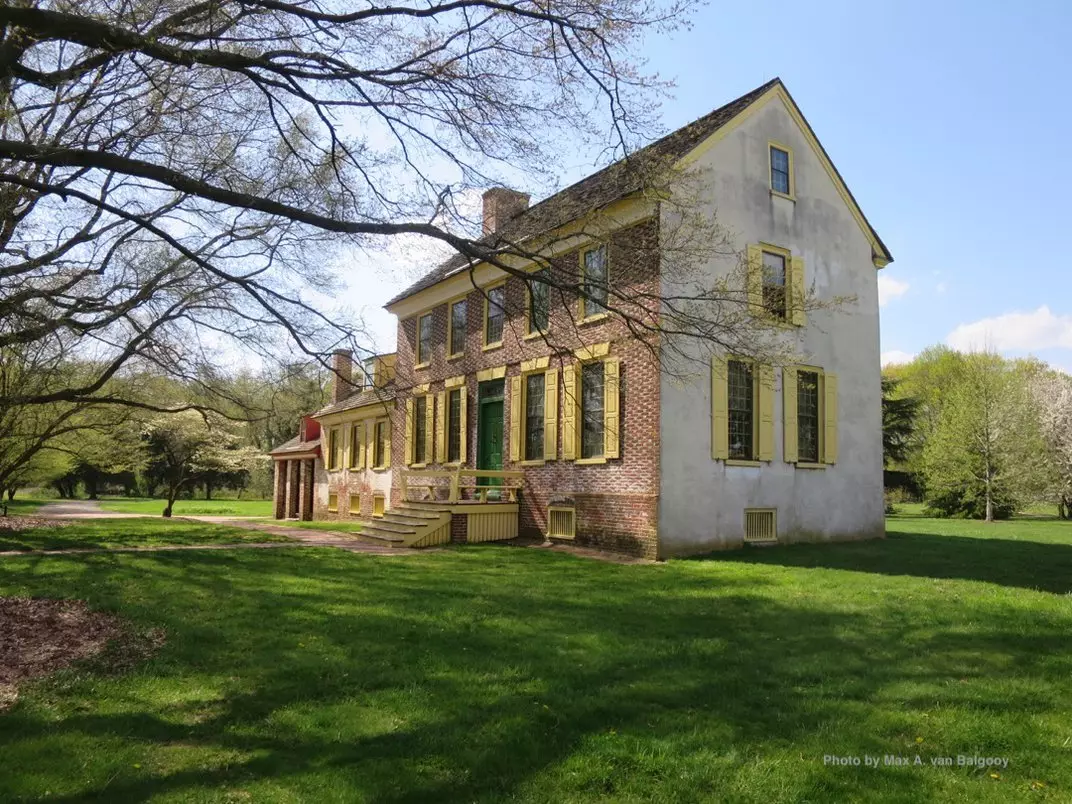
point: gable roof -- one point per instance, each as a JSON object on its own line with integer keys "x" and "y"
{"x": 360, "y": 399}
{"x": 621, "y": 178}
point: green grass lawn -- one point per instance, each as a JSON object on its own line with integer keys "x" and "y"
{"x": 127, "y": 505}
{"x": 128, "y": 533}
{"x": 23, "y": 507}
{"x": 490, "y": 674}
{"x": 339, "y": 526}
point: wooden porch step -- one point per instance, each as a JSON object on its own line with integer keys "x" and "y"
{"x": 383, "y": 535}
{"x": 403, "y": 528}
{"x": 434, "y": 507}
{"x": 416, "y": 511}
{"x": 412, "y": 519}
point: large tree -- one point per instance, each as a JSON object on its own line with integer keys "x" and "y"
{"x": 983, "y": 457}
{"x": 1053, "y": 401}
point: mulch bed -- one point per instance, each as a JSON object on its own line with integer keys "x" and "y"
{"x": 30, "y": 522}
{"x": 39, "y": 636}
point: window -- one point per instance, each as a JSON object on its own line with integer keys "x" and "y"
{"x": 808, "y": 416}
{"x": 774, "y": 284}
{"x": 379, "y": 456}
{"x": 594, "y": 281}
{"x": 539, "y": 302}
{"x": 454, "y": 425}
{"x": 742, "y": 410}
{"x": 369, "y": 380}
{"x": 333, "y": 502}
{"x": 355, "y": 444}
{"x": 493, "y": 316}
{"x": 781, "y": 174}
{"x": 420, "y": 429}
{"x": 334, "y": 449}
{"x": 459, "y": 321}
{"x": 424, "y": 339}
{"x": 534, "y": 399}
{"x": 592, "y": 410}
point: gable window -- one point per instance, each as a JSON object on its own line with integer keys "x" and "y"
{"x": 454, "y": 425}
{"x": 379, "y": 449}
{"x": 369, "y": 380}
{"x": 458, "y": 325}
{"x": 592, "y": 410}
{"x": 420, "y": 429}
{"x": 424, "y": 339}
{"x": 493, "y": 315}
{"x": 781, "y": 170}
{"x": 594, "y": 281}
{"x": 742, "y": 410}
{"x": 534, "y": 417}
{"x": 808, "y": 416}
{"x": 539, "y": 302}
{"x": 334, "y": 449}
{"x": 774, "y": 276}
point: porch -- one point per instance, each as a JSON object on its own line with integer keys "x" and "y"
{"x": 442, "y": 506}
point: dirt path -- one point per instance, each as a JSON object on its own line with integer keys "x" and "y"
{"x": 77, "y": 509}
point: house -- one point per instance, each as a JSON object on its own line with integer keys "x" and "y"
{"x": 518, "y": 406}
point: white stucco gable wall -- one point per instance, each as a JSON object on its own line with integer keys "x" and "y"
{"x": 702, "y": 500}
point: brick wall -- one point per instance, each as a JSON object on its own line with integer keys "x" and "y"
{"x": 616, "y": 501}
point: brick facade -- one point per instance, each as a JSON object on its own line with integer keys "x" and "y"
{"x": 616, "y": 501}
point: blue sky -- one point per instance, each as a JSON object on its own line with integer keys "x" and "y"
{"x": 950, "y": 122}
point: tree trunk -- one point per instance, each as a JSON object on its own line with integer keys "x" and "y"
{"x": 208, "y": 490}
{"x": 11, "y": 493}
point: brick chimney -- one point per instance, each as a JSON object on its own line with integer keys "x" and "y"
{"x": 342, "y": 366}
{"x": 500, "y": 205}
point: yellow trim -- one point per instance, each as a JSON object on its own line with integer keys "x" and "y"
{"x": 565, "y": 509}
{"x": 533, "y": 336}
{"x": 454, "y": 382}
{"x": 379, "y": 504}
{"x": 802, "y": 465}
{"x": 422, "y": 388}
{"x": 535, "y": 364}
{"x": 487, "y": 303}
{"x": 450, "y": 327}
{"x": 592, "y": 319}
{"x": 540, "y": 462}
{"x": 789, "y": 414}
{"x": 419, "y": 366}
{"x": 792, "y": 194}
{"x": 423, "y": 360}
{"x": 774, "y": 522}
{"x": 590, "y": 461}
{"x": 592, "y": 351}
{"x": 739, "y": 462}
{"x": 755, "y": 281}
{"x": 334, "y": 464}
{"x": 879, "y": 255}
{"x": 350, "y": 504}
{"x": 496, "y": 373}
{"x": 582, "y": 316}
{"x": 333, "y": 502}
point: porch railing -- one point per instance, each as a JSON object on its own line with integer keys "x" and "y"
{"x": 460, "y": 485}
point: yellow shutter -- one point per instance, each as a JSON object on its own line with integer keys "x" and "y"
{"x": 611, "y": 402}
{"x": 830, "y": 434}
{"x": 755, "y": 280}
{"x": 409, "y": 431}
{"x": 464, "y": 428}
{"x": 550, "y": 415}
{"x": 429, "y": 432}
{"x": 370, "y": 443}
{"x": 388, "y": 436}
{"x": 766, "y": 413}
{"x": 515, "y": 418}
{"x": 569, "y": 412}
{"x": 359, "y": 444}
{"x": 789, "y": 418}
{"x": 720, "y": 410}
{"x": 441, "y": 428}
{"x": 796, "y": 291}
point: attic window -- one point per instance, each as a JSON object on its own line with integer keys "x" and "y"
{"x": 781, "y": 170}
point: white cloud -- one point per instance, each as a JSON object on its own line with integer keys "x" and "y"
{"x": 895, "y": 356}
{"x": 889, "y": 289}
{"x": 1027, "y": 332}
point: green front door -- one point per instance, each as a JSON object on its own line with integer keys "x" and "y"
{"x": 489, "y": 435}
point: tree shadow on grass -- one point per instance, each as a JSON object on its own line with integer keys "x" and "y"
{"x": 1022, "y": 564}
{"x": 444, "y": 678}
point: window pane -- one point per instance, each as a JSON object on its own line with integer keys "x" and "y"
{"x": 774, "y": 283}
{"x": 595, "y": 281}
{"x": 370, "y": 369}
{"x": 424, "y": 342}
{"x": 534, "y": 417}
{"x": 355, "y": 444}
{"x": 808, "y": 416}
{"x": 540, "y": 296}
{"x": 494, "y": 325}
{"x": 420, "y": 408}
{"x": 454, "y": 431}
{"x": 459, "y": 322}
{"x": 742, "y": 410}
{"x": 779, "y": 170}
{"x": 592, "y": 410}
{"x": 381, "y": 431}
